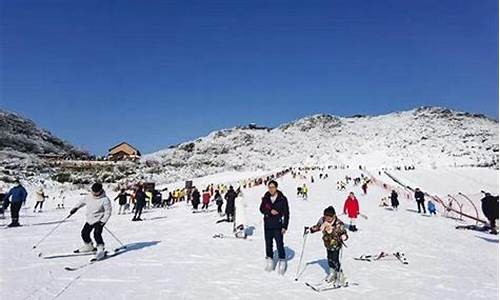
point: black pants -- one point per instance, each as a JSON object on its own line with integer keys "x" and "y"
{"x": 219, "y": 208}
{"x": 205, "y": 206}
{"x": 421, "y": 203}
{"x": 138, "y": 211}
{"x": 87, "y": 228}
{"x": 195, "y": 205}
{"x": 36, "y": 205}
{"x": 15, "y": 207}
{"x": 333, "y": 259}
{"x": 274, "y": 234}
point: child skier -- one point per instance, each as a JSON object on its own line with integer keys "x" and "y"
{"x": 431, "y": 208}
{"x": 351, "y": 209}
{"x": 98, "y": 213}
{"x": 334, "y": 235}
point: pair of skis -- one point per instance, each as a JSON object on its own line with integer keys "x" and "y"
{"x": 108, "y": 254}
{"x": 325, "y": 286}
{"x": 224, "y": 236}
{"x": 369, "y": 258}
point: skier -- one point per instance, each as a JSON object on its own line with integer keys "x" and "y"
{"x": 305, "y": 190}
{"x": 419, "y": 197}
{"x": 394, "y": 200}
{"x": 351, "y": 208}
{"x": 122, "y": 200}
{"x": 98, "y": 213}
{"x": 206, "y": 199}
{"x": 334, "y": 235}
{"x": 230, "y": 196}
{"x": 240, "y": 220}
{"x": 489, "y": 205}
{"x": 16, "y": 197}
{"x": 140, "y": 202}
{"x": 274, "y": 207}
{"x": 195, "y": 198}
{"x": 218, "y": 201}
{"x": 431, "y": 208}
{"x": 40, "y": 198}
{"x": 364, "y": 187}
{"x": 60, "y": 200}
{"x": 149, "y": 197}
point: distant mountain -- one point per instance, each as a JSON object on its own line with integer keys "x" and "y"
{"x": 21, "y": 135}
{"x": 422, "y": 137}
{"x": 425, "y": 136}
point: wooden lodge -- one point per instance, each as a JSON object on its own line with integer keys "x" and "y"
{"x": 123, "y": 151}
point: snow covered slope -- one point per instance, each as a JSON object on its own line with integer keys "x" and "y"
{"x": 426, "y": 136}
{"x": 173, "y": 254}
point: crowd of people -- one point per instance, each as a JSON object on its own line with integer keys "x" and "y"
{"x": 274, "y": 208}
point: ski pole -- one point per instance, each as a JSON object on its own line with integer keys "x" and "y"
{"x": 301, "y": 254}
{"x": 50, "y": 232}
{"x": 114, "y": 236}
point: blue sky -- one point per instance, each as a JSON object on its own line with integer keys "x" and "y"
{"x": 157, "y": 73}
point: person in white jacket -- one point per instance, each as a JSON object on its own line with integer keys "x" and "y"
{"x": 98, "y": 213}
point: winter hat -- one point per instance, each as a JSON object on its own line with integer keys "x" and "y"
{"x": 329, "y": 211}
{"x": 96, "y": 187}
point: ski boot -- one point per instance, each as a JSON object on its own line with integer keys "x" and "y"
{"x": 269, "y": 264}
{"x": 341, "y": 279}
{"x": 87, "y": 247}
{"x": 100, "y": 254}
{"x": 332, "y": 276}
{"x": 282, "y": 266}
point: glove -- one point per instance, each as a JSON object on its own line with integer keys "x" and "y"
{"x": 307, "y": 230}
{"x": 73, "y": 210}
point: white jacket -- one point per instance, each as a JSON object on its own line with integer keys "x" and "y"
{"x": 98, "y": 208}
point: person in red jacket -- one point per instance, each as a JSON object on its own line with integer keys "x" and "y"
{"x": 351, "y": 209}
{"x": 205, "y": 199}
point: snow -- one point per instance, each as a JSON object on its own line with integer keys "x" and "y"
{"x": 173, "y": 254}
{"x": 426, "y": 137}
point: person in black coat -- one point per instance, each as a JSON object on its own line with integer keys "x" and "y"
{"x": 140, "y": 202}
{"x": 230, "y": 196}
{"x": 394, "y": 200}
{"x": 195, "y": 198}
{"x": 419, "y": 197}
{"x": 274, "y": 207}
{"x": 122, "y": 198}
{"x": 489, "y": 205}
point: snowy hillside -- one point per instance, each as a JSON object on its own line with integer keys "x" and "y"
{"x": 426, "y": 136}
{"x": 22, "y": 142}
{"x": 172, "y": 254}
{"x": 22, "y": 135}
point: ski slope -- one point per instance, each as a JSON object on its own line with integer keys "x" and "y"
{"x": 173, "y": 255}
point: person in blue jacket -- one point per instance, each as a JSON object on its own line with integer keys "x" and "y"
{"x": 431, "y": 208}
{"x": 16, "y": 197}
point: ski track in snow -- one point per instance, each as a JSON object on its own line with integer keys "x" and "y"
{"x": 177, "y": 258}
